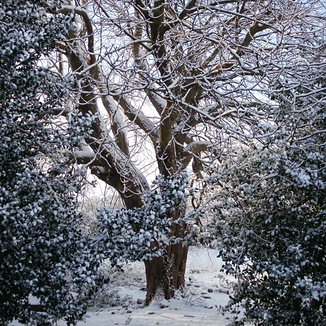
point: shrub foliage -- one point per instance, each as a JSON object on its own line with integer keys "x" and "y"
{"x": 270, "y": 213}
{"x": 47, "y": 266}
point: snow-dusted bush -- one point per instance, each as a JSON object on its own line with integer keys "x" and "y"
{"x": 270, "y": 213}
{"x": 127, "y": 234}
{"x": 47, "y": 267}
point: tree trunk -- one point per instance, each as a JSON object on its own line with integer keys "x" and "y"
{"x": 166, "y": 274}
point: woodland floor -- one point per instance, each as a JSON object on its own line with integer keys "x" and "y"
{"x": 120, "y": 302}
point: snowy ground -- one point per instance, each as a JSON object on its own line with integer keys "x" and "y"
{"x": 200, "y": 303}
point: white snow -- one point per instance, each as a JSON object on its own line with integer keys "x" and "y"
{"x": 199, "y": 304}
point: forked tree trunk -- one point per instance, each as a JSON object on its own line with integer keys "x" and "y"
{"x": 166, "y": 274}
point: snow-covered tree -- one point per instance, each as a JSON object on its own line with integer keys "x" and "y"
{"x": 270, "y": 211}
{"x": 173, "y": 85}
{"x": 143, "y": 233}
{"x": 47, "y": 266}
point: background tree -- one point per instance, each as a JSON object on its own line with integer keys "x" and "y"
{"x": 185, "y": 80}
{"x": 270, "y": 212}
{"x": 46, "y": 264}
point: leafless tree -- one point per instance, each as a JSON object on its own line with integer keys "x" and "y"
{"x": 184, "y": 81}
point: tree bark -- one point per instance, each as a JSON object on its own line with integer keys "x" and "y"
{"x": 166, "y": 273}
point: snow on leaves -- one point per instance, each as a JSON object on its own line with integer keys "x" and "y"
{"x": 129, "y": 234}
{"x": 270, "y": 216}
{"x": 44, "y": 257}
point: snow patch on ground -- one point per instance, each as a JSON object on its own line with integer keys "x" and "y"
{"x": 206, "y": 292}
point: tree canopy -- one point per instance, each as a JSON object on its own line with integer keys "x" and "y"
{"x": 173, "y": 86}
{"x": 140, "y": 89}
